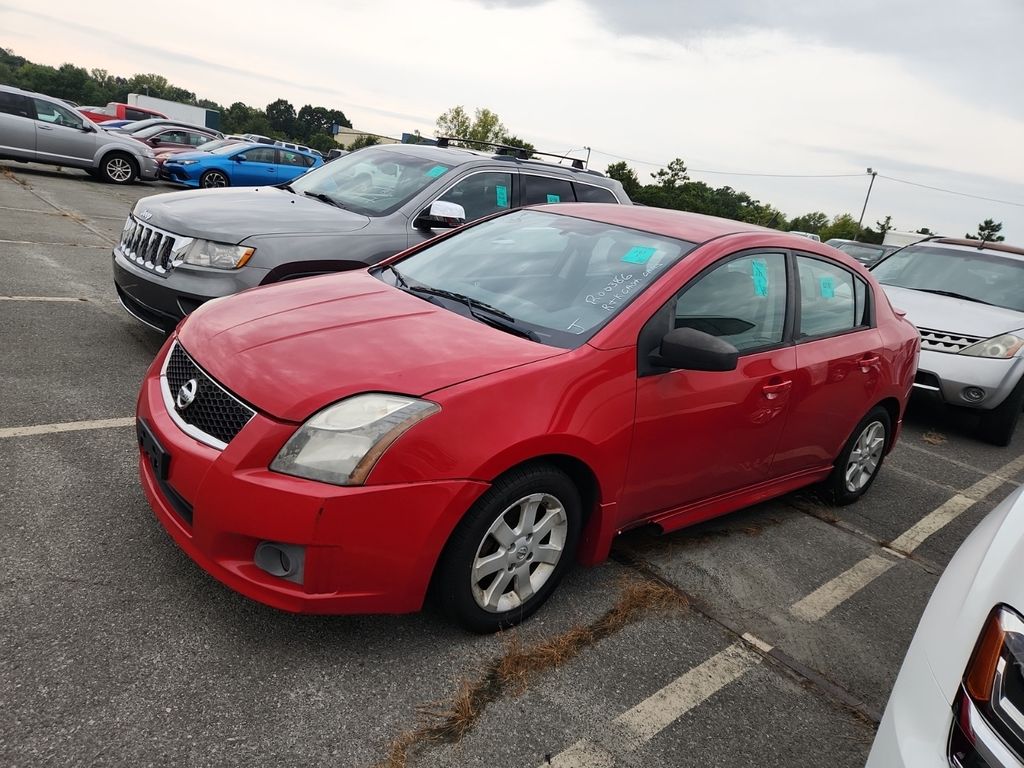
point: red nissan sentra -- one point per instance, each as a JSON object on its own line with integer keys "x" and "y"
{"x": 482, "y": 410}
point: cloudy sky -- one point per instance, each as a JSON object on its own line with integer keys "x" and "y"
{"x": 926, "y": 91}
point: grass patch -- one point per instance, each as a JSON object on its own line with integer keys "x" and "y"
{"x": 520, "y": 664}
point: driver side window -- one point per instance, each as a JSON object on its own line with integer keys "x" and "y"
{"x": 51, "y": 113}
{"x": 742, "y": 301}
{"x": 481, "y": 194}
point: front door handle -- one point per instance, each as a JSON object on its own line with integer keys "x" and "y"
{"x": 772, "y": 391}
{"x": 45, "y": 127}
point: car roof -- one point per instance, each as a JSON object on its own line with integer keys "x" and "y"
{"x": 454, "y": 156}
{"x": 682, "y": 225}
{"x": 967, "y": 245}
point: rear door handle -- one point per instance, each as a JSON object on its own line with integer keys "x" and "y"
{"x": 772, "y": 391}
{"x": 867, "y": 362}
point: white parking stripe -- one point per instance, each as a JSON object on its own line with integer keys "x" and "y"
{"x": 40, "y": 298}
{"x": 67, "y": 426}
{"x": 582, "y": 754}
{"x": 656, "y": 712}
{"x": 938, "y": 518}
{"x": 62, "y": 245}
{"x": 844, "y": 586}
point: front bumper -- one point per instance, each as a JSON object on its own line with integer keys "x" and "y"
{"x": 160, "y": 301}
{"x": 368, "y": 549}
{"x": 946, "y": 375}
{"x": 148, "y": 169}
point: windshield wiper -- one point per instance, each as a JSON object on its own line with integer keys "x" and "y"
{"x": 954, "y": 295}
{"x": 287, "y": 186}
{"x": 481, "y": 311}
{"x": 324, "y": 198}
{"x": 399, "y": 280}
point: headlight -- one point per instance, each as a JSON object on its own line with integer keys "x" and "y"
{"x": 994, "y": 687}
{"x": 185, "y": 162}
{"x": 147, "y": 152}
{"x": 205, "y": 253}
{"x": 1003, "y": 346}
{"x": 341, "y": 444}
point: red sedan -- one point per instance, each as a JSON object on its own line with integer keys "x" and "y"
{"x": 482, "y": 410}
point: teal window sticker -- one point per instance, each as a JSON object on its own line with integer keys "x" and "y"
{"x": 554, "y": 198}
{"x": 639, "y": 254}
{"x": 501, "y": 196}
{"x": 828, "y": 287}
{"x": 759, "y": 273}
{"x": 437, "y": 170}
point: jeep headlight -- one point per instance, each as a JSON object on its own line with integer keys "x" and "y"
{"x": 341, "y": 443}
{"x": 1006, "y": 345}
{"x": 205, "y": 253}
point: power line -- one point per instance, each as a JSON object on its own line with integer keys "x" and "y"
{"x": 952, "y": 191}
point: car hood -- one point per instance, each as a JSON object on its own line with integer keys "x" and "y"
{"x": 231, "y": 215}
{"x": 185, "y": 154}
{"x": 944, "y": 313}
{"x": 984, "y": 573}
{"x": 291, "y": 349}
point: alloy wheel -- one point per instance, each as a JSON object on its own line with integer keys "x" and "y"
{"x": 519, "y": 552}
{"x": 214, "y": 179}
{"x": 865, "y": 456}
{"x": 119, "y": 169}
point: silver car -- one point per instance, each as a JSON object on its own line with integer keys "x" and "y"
{"x": 967, "y": 299}
{"x": 41, "y": 129}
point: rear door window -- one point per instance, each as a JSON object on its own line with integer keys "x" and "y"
{"x": 538, "y": 190}
{"x": 588, "y": 193}
{"x": 15, "y": 104}
{"x": 832, "y": 299}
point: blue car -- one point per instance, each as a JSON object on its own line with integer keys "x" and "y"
{"x": 238, "y": 165}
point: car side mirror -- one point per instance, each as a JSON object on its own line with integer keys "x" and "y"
{"x": 238, "y": 159}
{"x": 693, "y": 350}
{"x": 156, "y": 140}
{"x": 86, "y": 128}
{"x": 441, "y": 215}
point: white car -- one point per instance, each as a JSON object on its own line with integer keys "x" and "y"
{"x": 959, "y": 697}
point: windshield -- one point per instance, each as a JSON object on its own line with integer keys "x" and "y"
{"x": 372, "y": 182}
{"x": 556, "y": 277}
{"x": 862, "y": 251}
{"x": 979, "y": 275}
{"x": 210, "y": 146}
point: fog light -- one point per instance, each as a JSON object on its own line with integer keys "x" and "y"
{"x": 286, "y": 561}
{"x": 973, "y": 394}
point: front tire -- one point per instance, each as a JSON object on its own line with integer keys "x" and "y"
{"x": 860, "y": 460}
{"x": 119, "y": 168}
{"x": 214, "y": 180}
{"x": 511, "y": 549}
{"x": 998, "y": 425}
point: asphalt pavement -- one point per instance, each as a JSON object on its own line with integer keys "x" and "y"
{"x": 770, "y": 637}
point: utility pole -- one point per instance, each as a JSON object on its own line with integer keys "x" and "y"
{"x": 866, "y": 198}
{"x": 586, "y": 163}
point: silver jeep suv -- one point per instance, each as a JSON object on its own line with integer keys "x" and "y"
{"x": 41, "y": 129}
{"x": 966, "y": 297}
{"x": 181, "y": 249}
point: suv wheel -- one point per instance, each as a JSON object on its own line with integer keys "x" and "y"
{"x": 119, "y": 168}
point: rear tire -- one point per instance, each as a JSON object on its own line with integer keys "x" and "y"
{"x": 998, "y": 425}
{"x": 509, "y": 552}
{"x": 860, "y": 460}
{"x": 118, "y": 168}
{"x": 214, "y": 180}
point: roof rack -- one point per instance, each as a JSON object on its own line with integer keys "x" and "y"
{"x": 981, "y": 245}
{"x": 505, "y": 149}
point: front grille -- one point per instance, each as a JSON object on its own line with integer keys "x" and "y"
{"x": 942, "y": 341}
{"x": 214, "y": 411}
{"x": 150, "y": 247}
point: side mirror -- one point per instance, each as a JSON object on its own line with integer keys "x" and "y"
{"x": 86, "y": 128}
{"x": 239, "y": 158}
{"x": 441, "y": 215}
{"x": 693, "y": 350}
{"x": 155, "y": 140}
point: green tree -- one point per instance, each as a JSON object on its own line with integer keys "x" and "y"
{"x": 365, "y": 140}
{"x": 322, "y": 142}
{"x": 515, "y": 141}
{"x": 809, "y": 222}
{"x": 884, "y": 226}
{"x": 673, "y": 175}
{"x": 925, "y": 231}
{"x": 281, "y": 116}
{"x": 486, "y": 126}
{"x": 988, "y": 231}
{"x": 625, "y": 176}
{"x": 842, "y": 225}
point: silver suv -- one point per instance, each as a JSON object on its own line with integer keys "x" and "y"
{"x": 966, "y": 297}
{"x": 41, "y": 129}
{"x": 181, "y": 249}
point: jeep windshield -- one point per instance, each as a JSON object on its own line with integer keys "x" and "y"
{"x": 983, "y": 277}
{"x": 553, "y": 278}
{"x": 370, "y": 181}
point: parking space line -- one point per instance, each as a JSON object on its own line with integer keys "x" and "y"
{"x": 963, "y": 464}
{"x": 41, "y": 298}
{"x": 67, "y": 426}
{"x": 938, "y": 518}
{"x": 840, "y": 589}
{"x": 62, "y": 245}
